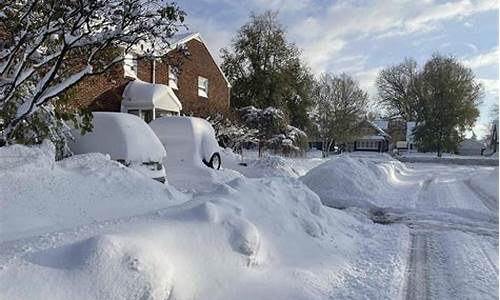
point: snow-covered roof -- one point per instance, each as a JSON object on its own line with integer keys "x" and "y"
{"x": 122, "y": 136}
{"x": 380, "y": 130}
{"x": 372, "y": 137}
{"x": 140, "y": 94}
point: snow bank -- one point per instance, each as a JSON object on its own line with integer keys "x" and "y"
{"x": 265, "y": 238}
{"x": 348, "y": 181}
{"x": 188, "y": 142}
{"x": 40, "y": 195}
{"x": 122, "y": 136}
{"x": 267, "y": 167}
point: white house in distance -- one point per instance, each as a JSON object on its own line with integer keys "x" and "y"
{"x": 471, "y": 146}
{"x": 373, "y": 137}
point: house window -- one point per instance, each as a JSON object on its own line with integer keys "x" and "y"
{"x": 162, "y": 113}
{"x": 172, "y": 77}
{"x": 202, "y": 87}
{"x": 133, "y": 111}
{"x": 147, "y": 115}
{"x": 130, "y": 65}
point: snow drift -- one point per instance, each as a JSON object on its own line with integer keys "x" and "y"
{"x": 356, "y": 181}
{"x": 268, "y": 238}
{"x": 40, "y": 195}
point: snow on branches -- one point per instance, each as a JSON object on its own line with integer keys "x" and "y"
{"x": 46, "y": 47}
{"x": 274, "y": 133}
{"x": 232, "y": 134}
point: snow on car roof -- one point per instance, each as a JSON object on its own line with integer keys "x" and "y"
{"x": 122, "y": 136}
{"x": 138, "y": 93}
{"x": 186, "y": 136}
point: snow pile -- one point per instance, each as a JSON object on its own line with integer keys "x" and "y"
{"x": 122, "y": 136}
{"x": 40, "y": 195}
{"x": 348, "y": 181}
{"x": 265, "y": 238}
{"x": 20, "y": 159}
{"x": 189, "y": 141}
{"x": 268, "y": 166}
{"x": 84, "y": 270}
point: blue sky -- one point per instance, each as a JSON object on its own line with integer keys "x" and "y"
{"x": 360, "y": 37}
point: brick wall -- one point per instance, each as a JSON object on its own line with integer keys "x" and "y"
{"x": 100, "y": 92}
{"x": 104, "y": 92}
{"x": 200, "y": 63}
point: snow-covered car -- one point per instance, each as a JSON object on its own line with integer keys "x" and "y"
{"x": 127, "y": 139}
{"x": 189, "y": 141}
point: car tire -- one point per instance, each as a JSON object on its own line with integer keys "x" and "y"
{"x": 215, "y": 161}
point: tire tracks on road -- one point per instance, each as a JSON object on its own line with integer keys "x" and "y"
{"x": 489, "y": 201}
{"x": 417, "y": 280}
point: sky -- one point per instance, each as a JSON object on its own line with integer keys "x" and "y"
{"x": 360, "y": 37}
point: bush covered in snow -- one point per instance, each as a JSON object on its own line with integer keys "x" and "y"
{"x": 232, "y": 134}
{"x": 274, "y": 133}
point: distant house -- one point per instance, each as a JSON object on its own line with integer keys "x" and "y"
{"x": 402, "y": 135}
{"x": 471, "y": 146}
{"x": 373, "y": 136}
{"x": 152, "y": 88}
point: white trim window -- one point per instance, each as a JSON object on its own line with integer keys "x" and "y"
{"x": 173, "y": 78}
{"x": 202, "y": 87}
{"x": 130, "y": 65}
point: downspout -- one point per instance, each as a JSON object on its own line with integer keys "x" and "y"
{"x": 153, "y": 71}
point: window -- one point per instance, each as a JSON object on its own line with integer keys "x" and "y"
{"x": 172, "y": 77}
{"x": 130, "y": 65}
{"x": 161, "y": 113}
{"x": 133, "y": 111}
{"x": 147, "y": 115}
{"x": 202, "y": 87}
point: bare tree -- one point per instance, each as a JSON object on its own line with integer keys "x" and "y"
{"x": 397, "y": 90}
{"x": 339, "y": 105}
{"x": 49, "y": 46}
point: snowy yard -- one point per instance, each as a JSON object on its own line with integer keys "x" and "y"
{"x": 89, "y": 228}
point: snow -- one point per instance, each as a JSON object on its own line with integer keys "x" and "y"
{"x": 189, "y": 141}
{"x": 40, "y": 195}
{"x": 347, "y": 181}
{"x": 122, "y": 136}
{"x": 145, "y": 95}
{"x": 98, "y": 230}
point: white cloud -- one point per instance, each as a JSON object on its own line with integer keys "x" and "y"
{"x": 490, "y": 86}
{"x": 484, "y": 59}
{"x": 324, "y": 35}
{"x": 367, "y": 80}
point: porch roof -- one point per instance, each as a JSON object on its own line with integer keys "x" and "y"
{"x": 140, "y": 94}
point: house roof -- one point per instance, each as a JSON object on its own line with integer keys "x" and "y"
{"x": 380, "y": 130}
{"x": 139, "y": 94}
{"x": 185, "y": 37}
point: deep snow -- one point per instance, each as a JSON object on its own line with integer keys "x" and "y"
{"x": 88, "y": 228}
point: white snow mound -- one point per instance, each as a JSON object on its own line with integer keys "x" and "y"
{"x": 40, "y": 195}
{"x": 359, "y": 182}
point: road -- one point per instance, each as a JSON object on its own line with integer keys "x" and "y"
{"x": 454, "y": 238}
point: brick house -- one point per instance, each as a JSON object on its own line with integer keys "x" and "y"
{"x": 152, "y": 88}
